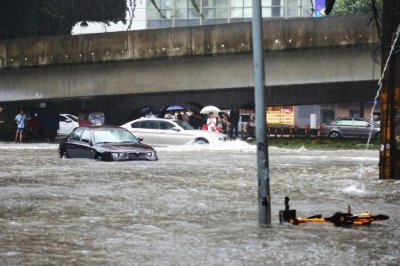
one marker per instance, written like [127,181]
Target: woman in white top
[211,122]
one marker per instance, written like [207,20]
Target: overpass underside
[320,75]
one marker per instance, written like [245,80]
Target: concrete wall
[222,39]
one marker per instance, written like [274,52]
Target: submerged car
[105,143]
[350,127]
[160,131]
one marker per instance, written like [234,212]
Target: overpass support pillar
[389,159]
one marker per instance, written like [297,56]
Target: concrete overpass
[308,60]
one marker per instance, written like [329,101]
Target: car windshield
[184,125]
[113,136]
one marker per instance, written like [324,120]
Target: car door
[171,134]
[149,130]
[346,127]
[85,149]
[72,146]
[361,128]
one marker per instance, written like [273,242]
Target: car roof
[101,127]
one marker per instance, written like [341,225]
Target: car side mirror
[86,140]
[368,125]
[140,139]
[177,129]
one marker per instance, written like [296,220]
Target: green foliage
[321,143]
[29,18]
[351,7]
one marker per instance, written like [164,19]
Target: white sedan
[160,131]
[68,123]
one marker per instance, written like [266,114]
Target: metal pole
[264,199]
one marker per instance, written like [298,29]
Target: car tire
[201,141]
[64,155]
[334,134]
[99,157]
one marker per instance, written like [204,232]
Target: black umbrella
[196,104]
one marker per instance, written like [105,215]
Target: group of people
[34,127]
[227,124]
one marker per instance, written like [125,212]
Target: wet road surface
[196,206]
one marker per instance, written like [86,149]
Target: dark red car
[105,143]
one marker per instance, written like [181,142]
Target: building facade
[181,13]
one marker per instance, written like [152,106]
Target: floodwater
[196,206]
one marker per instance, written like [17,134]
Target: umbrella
[209,109]
[195,104]
[175,107]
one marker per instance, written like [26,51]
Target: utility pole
[389,157]
[264,198]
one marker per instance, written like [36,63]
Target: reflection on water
[196,205]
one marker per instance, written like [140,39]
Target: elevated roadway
[308,60]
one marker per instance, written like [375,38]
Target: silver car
[160,131]
[350,127]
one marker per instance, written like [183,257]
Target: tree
[29,18]
[351,7]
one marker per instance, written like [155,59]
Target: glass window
[180,13]
[221,13]
[166,125]
[183,125]
[72,117]
[62,118]
[215,3]
[247,3]
[361,123]
[237,3]
[76,135]
[192,13]
[135,124]
[114,136]
[347,122]
[236,12]
[266,3]
[149,124]
[293,11]
[247,12]
[85,135]
[181,3]
[209,12]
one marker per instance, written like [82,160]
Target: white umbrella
[209,109]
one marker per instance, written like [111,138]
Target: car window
[72,117]
[184,125]
[347,122]
[361,123]
[149,124]
[76,135]
[135,124]
[113,136]
[85,135]
[166,125]
[62,118]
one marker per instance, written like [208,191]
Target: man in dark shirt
[234,117]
